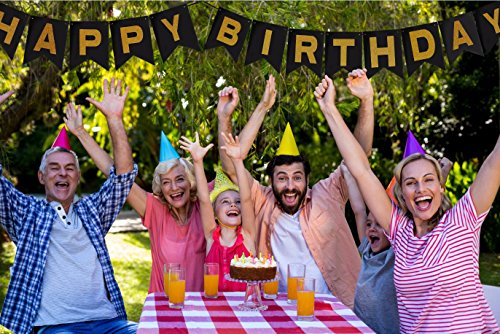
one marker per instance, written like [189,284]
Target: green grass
[130,254]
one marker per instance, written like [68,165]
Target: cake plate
[253,300]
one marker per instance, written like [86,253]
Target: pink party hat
[62,139]
[412,146]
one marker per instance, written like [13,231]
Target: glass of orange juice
[177,287]
[271,288]
[295,271]
[211,280]
[166,281]
[305,298]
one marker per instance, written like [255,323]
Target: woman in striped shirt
[436,246]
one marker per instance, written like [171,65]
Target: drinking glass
[211,280]
[305,298]
[271,288]
[177,287]
[166,268]
[295,271]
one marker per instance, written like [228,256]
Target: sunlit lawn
[132,264]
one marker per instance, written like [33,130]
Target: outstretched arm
[360,86]
[5,96]
[112,107]
[354,155]
[356,199]
[485,186]
[74,121]
[249,228]
[249,132]
[207,212]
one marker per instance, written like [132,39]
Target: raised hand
[113,102]
[232,147]
[325,93]
[269,95]
[197,151]
[5,96]
[228,100]
[74,119]
[359,84]
[445,165]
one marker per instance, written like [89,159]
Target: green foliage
[447,109]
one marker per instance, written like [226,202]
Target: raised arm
[111,102]
[112,107]
[485,186]
[360,86]
[356,199]
[354,155]
[207,212]
[249,228]
[249,132]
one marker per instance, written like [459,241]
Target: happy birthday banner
[476,32]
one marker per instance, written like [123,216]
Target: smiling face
[60,178]
[421,189]
[227,208]
[375,235]
[289,186]
[175,187]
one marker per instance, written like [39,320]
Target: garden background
[452,111]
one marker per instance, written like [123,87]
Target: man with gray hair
[62,280]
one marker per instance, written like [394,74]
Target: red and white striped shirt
[437,275]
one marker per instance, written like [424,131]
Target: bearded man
[298,224]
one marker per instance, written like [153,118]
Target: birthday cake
[251,268]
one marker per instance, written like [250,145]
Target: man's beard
[288,209]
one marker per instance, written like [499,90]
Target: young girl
[227,215]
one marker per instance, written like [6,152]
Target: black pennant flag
[383,50]
[343,50]
[305,47]
[488,24]
[174,27]
[460,35]
[89,41]
[131,37]
[266,41]
[422,44]
[229,30]
[46,37]
[12,23]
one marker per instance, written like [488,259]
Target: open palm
[197,151]
[113,101]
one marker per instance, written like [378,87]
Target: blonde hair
[165,167]
[398,188]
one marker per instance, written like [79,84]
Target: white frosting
[253,262]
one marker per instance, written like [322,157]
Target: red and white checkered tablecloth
[221,315]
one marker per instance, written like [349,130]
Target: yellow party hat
[222,183]
[288,145]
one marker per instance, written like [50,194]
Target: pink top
[171,243]
[437,275]
[223,255]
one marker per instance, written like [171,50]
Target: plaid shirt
[28,221]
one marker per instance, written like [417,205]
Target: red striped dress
[437,275]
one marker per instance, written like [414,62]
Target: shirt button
[64,217]
[69,223]
[58,208]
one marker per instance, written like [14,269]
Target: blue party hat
[167,151]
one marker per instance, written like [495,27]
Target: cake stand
[253,301]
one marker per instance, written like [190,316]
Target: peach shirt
[324,227]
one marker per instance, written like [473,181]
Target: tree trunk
[32,99]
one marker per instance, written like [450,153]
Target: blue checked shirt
[28,221]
